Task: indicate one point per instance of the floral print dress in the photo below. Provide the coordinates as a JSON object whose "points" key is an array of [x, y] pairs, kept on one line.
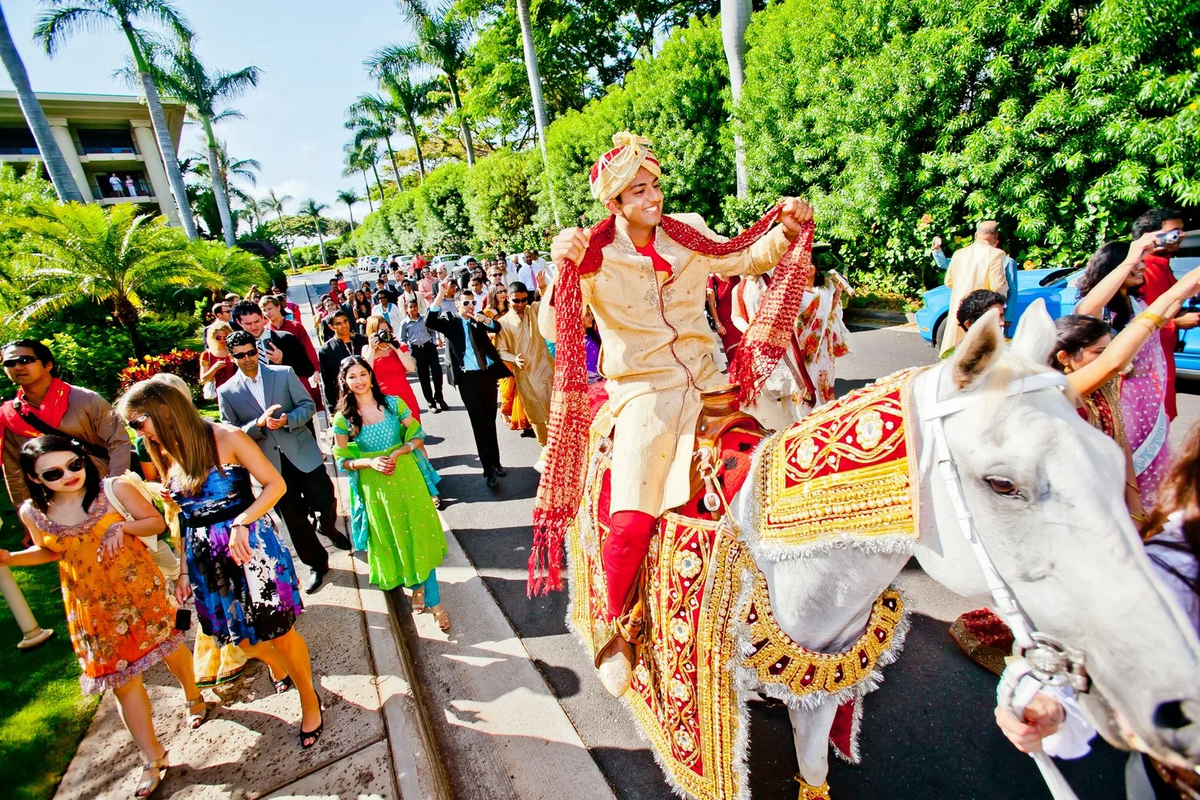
{"points": [[119, 611]]}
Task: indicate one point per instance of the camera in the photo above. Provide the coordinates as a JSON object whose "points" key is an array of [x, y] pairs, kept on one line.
{"points": [[386, 337], [1169, 237]]}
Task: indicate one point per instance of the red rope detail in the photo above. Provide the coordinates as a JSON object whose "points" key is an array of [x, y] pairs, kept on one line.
{"points": [[770, 335], [560, 491]]}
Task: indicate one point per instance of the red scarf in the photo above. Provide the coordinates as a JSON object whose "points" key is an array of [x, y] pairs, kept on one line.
{"points": [[51, 411], [560, 491]]}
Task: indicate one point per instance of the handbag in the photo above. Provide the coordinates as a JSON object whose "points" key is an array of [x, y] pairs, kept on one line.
{"points": [[163, 557]]}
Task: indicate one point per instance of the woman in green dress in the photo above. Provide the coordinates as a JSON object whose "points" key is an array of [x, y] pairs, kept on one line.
{"points": [[392, 511]]}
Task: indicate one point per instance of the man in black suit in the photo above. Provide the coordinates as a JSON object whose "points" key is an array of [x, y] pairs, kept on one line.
{"points": [[344, 343], [476, 366], [279, 348]]}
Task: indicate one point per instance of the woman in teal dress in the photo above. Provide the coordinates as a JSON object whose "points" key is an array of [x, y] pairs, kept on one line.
{"points": [[392, 510]]}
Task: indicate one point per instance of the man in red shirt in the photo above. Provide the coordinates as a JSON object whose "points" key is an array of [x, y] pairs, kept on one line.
{"points": [[1159, 278], [272, 308]]}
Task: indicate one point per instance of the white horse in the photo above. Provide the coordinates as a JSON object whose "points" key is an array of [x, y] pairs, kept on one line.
{"points": [[1046, 491]]}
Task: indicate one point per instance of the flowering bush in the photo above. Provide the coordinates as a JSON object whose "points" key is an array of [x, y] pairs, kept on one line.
{"points": [[184, 363]]}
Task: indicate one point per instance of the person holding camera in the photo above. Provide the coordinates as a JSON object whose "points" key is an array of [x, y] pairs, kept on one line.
{"points": [[391, 362]]}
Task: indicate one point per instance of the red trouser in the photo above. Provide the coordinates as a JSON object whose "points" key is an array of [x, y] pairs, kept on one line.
{"points": [[624, 551]]}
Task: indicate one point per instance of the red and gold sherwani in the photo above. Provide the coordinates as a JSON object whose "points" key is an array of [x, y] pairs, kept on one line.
{"points": [[657, 356]]}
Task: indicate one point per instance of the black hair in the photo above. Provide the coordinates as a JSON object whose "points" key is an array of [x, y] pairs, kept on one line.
{"points": [[36, 448], [1075, 332], [1105, 260], [246, 308], [1154, 219], [975, 305], [518, 286], [240, 339], [347, 405], [40, 351], [337, 312]]}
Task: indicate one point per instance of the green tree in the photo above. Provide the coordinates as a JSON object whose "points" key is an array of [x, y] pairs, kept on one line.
{"points": [[35, 118], [348, 197], [65, 17], [442, 40], [499, 199], [72, 251], [184, 76], [411, 100], [312, 208], [275, 202], [229, 268], [372, 118]]}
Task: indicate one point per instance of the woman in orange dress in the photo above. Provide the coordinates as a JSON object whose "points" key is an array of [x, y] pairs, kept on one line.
{"points": [[510, 402], [120, 612]]}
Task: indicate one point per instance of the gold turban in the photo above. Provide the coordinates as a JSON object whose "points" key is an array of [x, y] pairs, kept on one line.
{"points": [[616, 168]]}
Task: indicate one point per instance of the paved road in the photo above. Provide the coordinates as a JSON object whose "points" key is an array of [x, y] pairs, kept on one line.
{"points": [[927, 732]]}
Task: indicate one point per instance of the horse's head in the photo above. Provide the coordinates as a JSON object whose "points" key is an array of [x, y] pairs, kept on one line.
{"points": [[1047, 494]]}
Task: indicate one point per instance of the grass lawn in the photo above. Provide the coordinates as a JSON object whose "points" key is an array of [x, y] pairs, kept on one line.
{"points": [[43, 714]]}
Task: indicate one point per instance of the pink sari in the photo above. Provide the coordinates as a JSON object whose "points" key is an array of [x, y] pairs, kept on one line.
{"points": [[1143, 392]]}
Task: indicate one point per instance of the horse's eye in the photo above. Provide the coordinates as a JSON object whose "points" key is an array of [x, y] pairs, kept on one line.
{"points": [[1002, 486]]}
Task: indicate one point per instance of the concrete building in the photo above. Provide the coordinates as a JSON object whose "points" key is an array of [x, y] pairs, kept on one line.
{"points": [[108, 143]]}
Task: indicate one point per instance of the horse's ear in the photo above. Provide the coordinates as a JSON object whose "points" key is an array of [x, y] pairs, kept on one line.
{"points": [[979, 350], [1035, 334]]}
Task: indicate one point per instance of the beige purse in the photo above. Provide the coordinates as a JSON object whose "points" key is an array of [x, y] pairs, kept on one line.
{"points": [[162, 555]]}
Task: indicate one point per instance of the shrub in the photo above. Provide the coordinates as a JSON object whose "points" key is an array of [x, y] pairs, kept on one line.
{"points": [[91, 357], [168, 333], [184, 363]]}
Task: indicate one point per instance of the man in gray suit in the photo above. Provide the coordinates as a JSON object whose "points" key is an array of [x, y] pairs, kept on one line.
{"points": [[272, 406]]}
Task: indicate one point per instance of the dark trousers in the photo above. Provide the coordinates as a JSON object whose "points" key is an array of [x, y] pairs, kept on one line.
{"points": [[479, 395], [308, 493], [429, 371]]}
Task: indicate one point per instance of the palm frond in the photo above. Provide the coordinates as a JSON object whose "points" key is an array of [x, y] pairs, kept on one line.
{"points": [[55, 26]]}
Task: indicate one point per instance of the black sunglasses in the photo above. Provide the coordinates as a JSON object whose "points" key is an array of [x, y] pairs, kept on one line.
{"points": [[22, 361], [57, 473], [242, 356], [139, 423], [519, 299]]}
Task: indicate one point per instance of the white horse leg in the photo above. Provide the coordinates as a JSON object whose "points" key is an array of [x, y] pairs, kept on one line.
{"points": [[810, 728]]}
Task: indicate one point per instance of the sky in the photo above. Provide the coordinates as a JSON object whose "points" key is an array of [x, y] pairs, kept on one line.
{"points": [[310, 53]]}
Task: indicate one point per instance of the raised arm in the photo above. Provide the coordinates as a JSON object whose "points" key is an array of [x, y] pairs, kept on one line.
{"points": [[1128, 342], [1093, 304], [30, 556]]}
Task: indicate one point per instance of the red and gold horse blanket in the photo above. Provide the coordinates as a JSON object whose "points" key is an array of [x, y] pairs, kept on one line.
{"points": [[710, 635]]}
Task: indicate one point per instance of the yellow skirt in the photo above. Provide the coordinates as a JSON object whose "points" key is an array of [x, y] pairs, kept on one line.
{"points": [[511, 406], [214, 665]]}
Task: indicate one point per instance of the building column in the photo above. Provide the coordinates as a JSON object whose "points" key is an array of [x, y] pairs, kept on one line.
{"points": [[143, 134], [62, 135]]}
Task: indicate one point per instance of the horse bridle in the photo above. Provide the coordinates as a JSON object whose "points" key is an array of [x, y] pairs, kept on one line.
{"points": [[1048, 662]]}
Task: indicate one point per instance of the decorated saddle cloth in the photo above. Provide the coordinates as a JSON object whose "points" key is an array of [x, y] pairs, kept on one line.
{"points": [[710, 639]]}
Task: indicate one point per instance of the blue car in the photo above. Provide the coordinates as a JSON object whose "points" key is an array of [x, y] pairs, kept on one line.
{"points": [[1058, 287]]}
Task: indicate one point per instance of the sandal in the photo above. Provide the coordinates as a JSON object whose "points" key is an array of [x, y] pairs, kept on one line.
{"points": [[442, 618], [153, 773], [437, 501], [194, 719], [283, 684], [309, 739], [418, 600]]}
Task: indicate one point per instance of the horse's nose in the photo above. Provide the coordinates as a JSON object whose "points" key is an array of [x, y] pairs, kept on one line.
{"points": [[1171, 716]]}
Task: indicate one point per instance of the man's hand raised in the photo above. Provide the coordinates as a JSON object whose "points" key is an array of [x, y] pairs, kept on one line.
{"points": [[265, 420], [570, 244], [794, 213]]}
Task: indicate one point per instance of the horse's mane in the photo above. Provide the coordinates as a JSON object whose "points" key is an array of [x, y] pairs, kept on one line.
{"points": [[1010, 366]]}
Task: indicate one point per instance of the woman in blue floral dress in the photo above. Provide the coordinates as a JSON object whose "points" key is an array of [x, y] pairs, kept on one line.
{"points": [[245, 585]]}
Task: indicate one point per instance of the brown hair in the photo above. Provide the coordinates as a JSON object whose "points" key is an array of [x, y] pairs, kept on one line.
{"points": [[374, 322], [186, 450]]}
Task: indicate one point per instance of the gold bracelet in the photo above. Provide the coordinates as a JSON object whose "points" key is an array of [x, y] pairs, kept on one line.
{"points": [[1154, 319]]}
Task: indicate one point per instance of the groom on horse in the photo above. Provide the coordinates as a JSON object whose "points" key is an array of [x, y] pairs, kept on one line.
{"points": [[644, 276]]}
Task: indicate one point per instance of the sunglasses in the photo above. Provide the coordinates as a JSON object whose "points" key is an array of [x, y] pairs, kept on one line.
{"points": [[242, 356], [139, 423], [57, 473], [19, 361], [518, 299]]}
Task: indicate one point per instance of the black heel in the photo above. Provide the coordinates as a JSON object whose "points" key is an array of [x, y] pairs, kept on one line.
{"points": [[313, 736], [283, 685]]}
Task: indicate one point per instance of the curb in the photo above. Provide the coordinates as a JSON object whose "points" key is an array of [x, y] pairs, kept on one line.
{"points": [[880, 316]]}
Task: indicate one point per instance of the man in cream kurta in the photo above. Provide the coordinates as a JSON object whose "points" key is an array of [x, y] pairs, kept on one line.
{"points": [[524, 351], [979, 265]]}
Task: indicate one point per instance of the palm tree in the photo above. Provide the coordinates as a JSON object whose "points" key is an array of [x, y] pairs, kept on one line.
{"points": [[348, 197], [314, 209], [356, 161], [735, 18], [110, 255], [184, 76], [411, 101], [56, 25], [442, 43], [229, 268], [276, 202], [535, 91], [35, 118], [373, 119]]}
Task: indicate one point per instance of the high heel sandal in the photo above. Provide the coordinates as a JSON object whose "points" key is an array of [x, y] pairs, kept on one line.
{"points": [[193, 719], [418, 600], [149, 783], [283, 684], [313, 736], [437, 501], [442, 618]]}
